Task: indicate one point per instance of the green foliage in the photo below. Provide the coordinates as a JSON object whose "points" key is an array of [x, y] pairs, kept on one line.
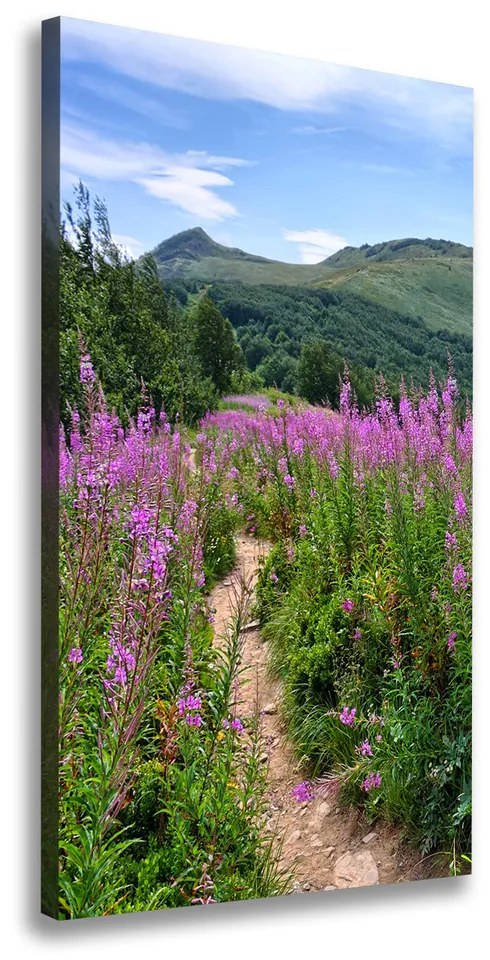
{"points": [[387, 652], [279, 370], [201, 802], [119, 312], [274, 322], [417, 278], [319, 373], [216, 346], [245, 381]]}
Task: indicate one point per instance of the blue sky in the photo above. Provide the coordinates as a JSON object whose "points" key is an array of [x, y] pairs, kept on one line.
{"points": [[288, 158]]}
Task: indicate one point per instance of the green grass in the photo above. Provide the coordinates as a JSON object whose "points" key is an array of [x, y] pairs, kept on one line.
{"points": [[439, 289], [210, 269]]}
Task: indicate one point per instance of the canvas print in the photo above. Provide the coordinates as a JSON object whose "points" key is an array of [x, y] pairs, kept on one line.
{"points": [[257, 311]]}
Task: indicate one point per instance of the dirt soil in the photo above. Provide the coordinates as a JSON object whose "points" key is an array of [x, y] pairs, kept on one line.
{"points": [[324, 847]]}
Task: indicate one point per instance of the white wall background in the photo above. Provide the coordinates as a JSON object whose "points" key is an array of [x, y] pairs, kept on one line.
{"points": [[439, 40]]}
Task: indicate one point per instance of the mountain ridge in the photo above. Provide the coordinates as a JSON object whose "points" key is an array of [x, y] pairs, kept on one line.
{"points": [[426, 278], [195, 244]]}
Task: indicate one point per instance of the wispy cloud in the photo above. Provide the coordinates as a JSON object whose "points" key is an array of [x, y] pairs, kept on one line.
{"points": [[129, 99], [189, 181], [315, 245], [439, 112], [386, 170], [310, 130]]}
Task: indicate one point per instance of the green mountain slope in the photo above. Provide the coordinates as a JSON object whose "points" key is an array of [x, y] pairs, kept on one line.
{"points": [[193, 255], [440, 289], [428, 278], [407, 249], [273, 322], [194, 245]]}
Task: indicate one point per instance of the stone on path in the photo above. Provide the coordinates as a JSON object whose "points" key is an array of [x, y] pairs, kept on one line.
{"points": [[356, 870], [294, 836], [270, 708], [369, 837], [253, 625], [319, 816]]}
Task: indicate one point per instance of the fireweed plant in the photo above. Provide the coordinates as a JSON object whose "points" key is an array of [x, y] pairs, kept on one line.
{"points": [[158, 774], [365, 596]]}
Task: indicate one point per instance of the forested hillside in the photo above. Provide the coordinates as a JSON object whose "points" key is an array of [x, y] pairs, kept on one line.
{"points": [[431, 279], [186, 343], [273, 325], [140, 339]]}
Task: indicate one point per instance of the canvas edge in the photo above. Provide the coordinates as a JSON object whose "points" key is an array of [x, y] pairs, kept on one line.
{"points": [[50, 194]]}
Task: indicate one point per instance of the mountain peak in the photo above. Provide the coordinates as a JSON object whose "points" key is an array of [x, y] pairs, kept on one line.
{"points": [[196, 232], [196, 244], [190, 244]]}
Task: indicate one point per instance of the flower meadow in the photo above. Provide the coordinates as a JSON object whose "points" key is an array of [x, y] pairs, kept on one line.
{"points": [[160, 784], [364, 599], [365, 596]]}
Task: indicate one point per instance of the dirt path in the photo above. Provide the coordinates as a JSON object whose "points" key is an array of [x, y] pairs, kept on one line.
{"points": [[324, 847]]}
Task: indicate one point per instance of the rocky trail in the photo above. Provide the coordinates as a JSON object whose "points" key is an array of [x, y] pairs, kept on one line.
{"points": [[324, 847]]}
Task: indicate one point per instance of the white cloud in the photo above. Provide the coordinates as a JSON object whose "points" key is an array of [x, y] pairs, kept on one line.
{"points": [[189, 181], [310, 129], [124, 96], [386, 170], [315, 245], [188, 189], [421, 108], [199, 68], [129, 245], [68, 180], [220, 163]]}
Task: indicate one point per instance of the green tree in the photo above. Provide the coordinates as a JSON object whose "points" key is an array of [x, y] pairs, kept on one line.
{"points": [[319, 372], [216, 345], [278, 370], [133, 331], [256, 350]]}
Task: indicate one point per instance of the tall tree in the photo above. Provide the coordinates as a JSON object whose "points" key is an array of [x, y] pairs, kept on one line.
{"points": [[216, 344], [319, 372], [120, 312]]}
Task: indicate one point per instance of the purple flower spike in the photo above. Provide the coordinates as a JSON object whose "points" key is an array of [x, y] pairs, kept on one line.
{"points": [[303, 792], [193, 719], [372, 782], [460, 508], [75, 655], [87, 374], [347, 717], [460, 578], [451, 640]]}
